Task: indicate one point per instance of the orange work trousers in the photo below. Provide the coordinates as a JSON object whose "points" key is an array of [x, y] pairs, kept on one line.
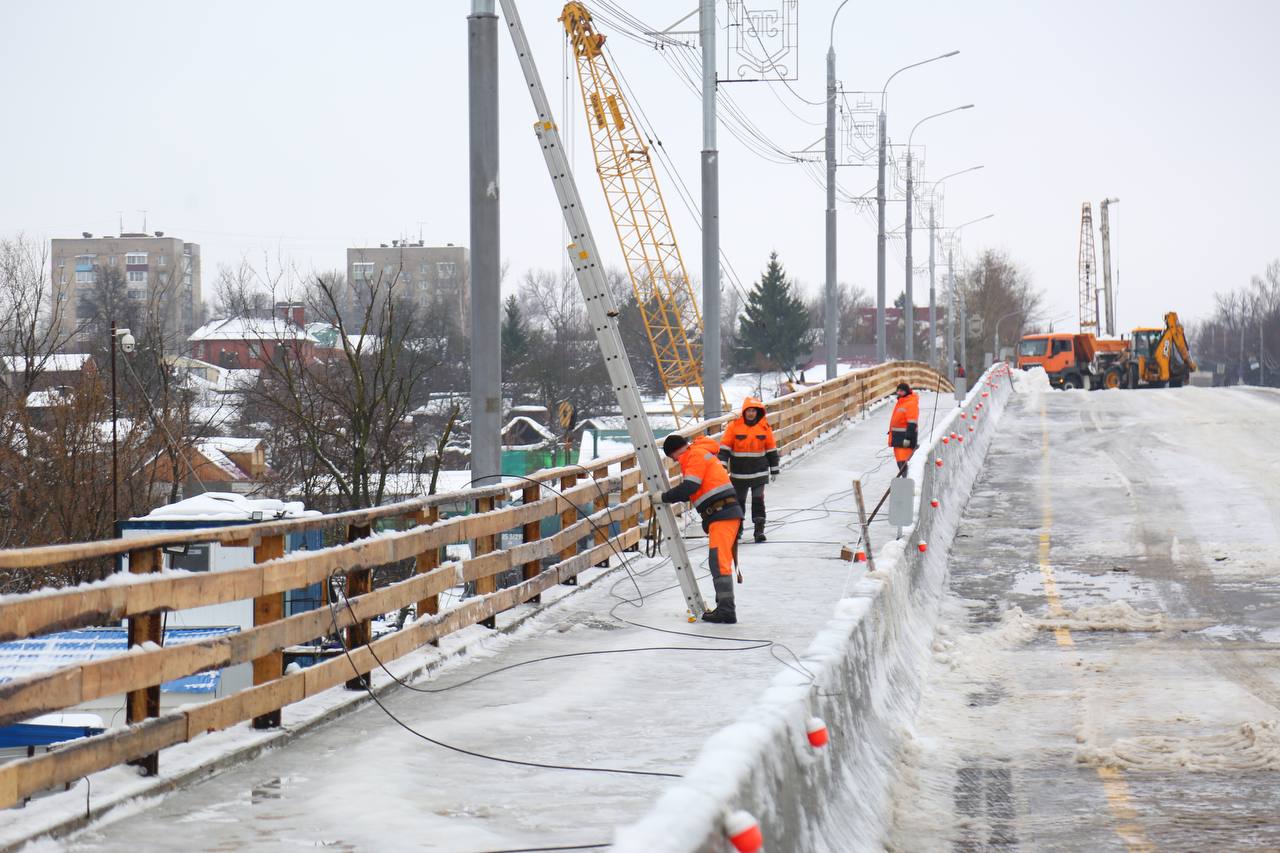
{"points": [[722, 539]]}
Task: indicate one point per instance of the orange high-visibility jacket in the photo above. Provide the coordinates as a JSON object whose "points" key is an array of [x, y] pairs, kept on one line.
{"points": [[906, 411], [749, 449], [704, 482]]}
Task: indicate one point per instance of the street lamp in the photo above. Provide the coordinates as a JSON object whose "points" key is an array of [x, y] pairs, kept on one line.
{"points": [[933, 241], [831, 329], [909, 348], [125, 341], [995, 342], [880, 201], [951, 301]]}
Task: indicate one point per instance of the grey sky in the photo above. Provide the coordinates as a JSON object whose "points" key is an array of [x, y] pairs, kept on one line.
{"points": [[296, 129]]}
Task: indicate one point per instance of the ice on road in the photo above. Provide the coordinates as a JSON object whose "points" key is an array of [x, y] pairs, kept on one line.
{"points": [[1104, 676]]}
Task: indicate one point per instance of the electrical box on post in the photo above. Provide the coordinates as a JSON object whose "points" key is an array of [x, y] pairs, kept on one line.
{"points": [[902, 502]]}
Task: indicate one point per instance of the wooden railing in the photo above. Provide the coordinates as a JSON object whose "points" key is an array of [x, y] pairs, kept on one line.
{"points": [[587, 499]]}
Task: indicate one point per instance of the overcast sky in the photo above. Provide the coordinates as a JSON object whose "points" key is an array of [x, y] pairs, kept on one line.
{"points": [[296, 129]]}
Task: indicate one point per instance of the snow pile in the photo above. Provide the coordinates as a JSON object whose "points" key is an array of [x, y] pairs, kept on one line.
{"points": [[862, 675], [1031, 381], [972, 652], [1114, 616], [1249, 746], [227, 506]]}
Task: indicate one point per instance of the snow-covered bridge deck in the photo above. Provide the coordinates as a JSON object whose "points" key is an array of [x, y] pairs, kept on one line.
{"points": [[1102, 675], [363, 782], [1105, 676]]}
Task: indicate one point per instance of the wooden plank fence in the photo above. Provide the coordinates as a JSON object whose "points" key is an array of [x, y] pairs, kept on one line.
{"points": [[591, 498]]}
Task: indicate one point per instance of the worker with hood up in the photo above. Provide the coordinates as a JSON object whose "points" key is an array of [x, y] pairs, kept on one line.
{"points": [[904, 426], [705, 484], [748, 449]]}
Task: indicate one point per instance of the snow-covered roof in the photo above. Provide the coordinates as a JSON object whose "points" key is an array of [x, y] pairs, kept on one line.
{"points": [[219, 459], [58, 362], [225, 506], [251, 329], [20, 658], [47, 398], [233, 445], [328, 335], [521, 420]]}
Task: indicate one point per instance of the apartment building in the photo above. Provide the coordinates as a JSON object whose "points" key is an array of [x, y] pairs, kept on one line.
{"points": [[436, 277], [161, 275]]}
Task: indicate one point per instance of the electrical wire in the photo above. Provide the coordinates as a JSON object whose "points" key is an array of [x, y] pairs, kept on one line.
{"points": [[742, 644]]}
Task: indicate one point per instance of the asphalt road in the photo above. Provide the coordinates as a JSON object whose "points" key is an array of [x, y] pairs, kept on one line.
{"points": [[1106, 673]]}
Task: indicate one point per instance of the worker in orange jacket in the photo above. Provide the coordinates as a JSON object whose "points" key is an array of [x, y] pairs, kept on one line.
{"points": [[904, 426], [751, 454], [705, 483]]}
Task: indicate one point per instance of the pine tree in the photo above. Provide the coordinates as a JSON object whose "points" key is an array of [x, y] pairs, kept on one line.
{"points": [[515, 340], [774, 329]]}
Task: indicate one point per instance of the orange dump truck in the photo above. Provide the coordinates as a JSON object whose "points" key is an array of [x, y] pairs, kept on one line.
{"points": [[1071, 360], [1153, 357]]}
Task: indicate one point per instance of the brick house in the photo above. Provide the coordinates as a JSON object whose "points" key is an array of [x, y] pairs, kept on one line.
{"points": [[252, 342]]}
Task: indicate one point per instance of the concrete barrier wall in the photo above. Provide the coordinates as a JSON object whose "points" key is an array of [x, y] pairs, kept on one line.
{"points": [[866, 667]]}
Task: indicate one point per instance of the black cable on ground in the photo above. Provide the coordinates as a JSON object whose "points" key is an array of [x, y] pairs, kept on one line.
{"points": [[743, 644]]}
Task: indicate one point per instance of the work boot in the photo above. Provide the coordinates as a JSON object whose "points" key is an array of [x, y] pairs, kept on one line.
{"points": [[760, 537], [720, 616], [724, 614]]}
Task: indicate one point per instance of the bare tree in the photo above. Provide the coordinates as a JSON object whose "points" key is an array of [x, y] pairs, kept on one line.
{"points": [[565, 362], [1240, 342], [238, 292], [996, 290], [339, 421]]}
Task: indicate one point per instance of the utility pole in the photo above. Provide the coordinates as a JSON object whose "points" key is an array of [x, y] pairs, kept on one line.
{"points": [[882, 144], [909, 308], [486, 332], [1262, 356], [951, 315], [933, 305], [964, 338], [831, 328], [710, 217], [880, 237]]}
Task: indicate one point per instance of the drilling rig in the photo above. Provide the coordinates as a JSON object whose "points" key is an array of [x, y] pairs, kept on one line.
{"points": [[1088, 269]]}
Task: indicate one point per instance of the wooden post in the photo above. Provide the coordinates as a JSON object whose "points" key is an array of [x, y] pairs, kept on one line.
{"points": [[359, 581], [144, 703], [425, 562], [532, 532], [266, 609], [631, 519], [862, 521], [485, 545], [567, 517], [601, 535]]}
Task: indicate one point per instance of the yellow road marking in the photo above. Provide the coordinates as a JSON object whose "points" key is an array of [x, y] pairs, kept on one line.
{"points": [[1113, 782]]}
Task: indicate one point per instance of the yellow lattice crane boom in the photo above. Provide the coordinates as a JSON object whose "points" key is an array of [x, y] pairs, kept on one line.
{"points": [[658, 277]]}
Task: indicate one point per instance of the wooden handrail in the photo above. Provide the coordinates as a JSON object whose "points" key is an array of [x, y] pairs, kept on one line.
{"points": [[582, 506]]}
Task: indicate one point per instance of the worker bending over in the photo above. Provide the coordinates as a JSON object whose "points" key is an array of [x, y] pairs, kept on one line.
{"points": [[904, 427], [748, 449], [705, 483]]}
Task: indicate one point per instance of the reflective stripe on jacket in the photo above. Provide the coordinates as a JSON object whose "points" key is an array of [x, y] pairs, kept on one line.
{"points": [[704, 482], [749, 449], [905, 411]]}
